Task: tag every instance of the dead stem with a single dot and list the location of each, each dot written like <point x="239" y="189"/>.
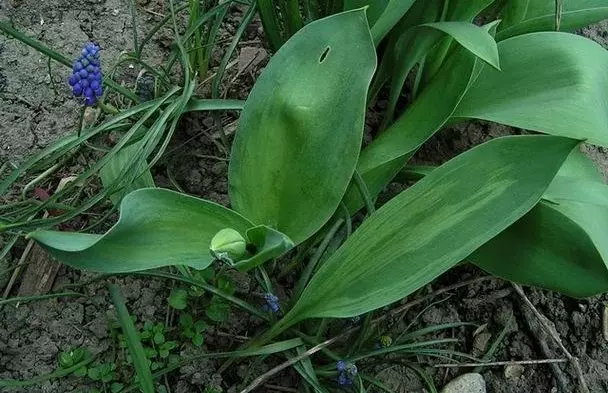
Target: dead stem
<point x="259" y="380"/>
<point x="541" y="320"/>
<point x="505" y="363"/>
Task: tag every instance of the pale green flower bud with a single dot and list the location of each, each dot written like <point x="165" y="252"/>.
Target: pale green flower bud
<point x="228" y="245"/>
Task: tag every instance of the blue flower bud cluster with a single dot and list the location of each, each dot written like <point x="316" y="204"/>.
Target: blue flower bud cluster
<point x="272" y="303"/>
<point x="86" y="79"/>
<point x="346" y="372"/>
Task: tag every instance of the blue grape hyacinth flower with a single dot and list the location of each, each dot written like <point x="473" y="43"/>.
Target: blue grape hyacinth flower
<point x="272" y="303"/>
<point x="86" y="79"/>
<point x="347" y="371"/>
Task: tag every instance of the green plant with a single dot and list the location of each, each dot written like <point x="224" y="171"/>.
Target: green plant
<point x="522" y="207"/>
<point x="191" y="329"/>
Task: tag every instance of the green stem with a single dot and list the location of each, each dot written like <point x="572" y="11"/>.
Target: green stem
<point x="207" y="287"/>
<point x="24" y="299"/>
<point x="293" y="17"/>
<point x="364" y="192"/>
<point x="134" y="27"/>
<point x="347" y="219"/>
<point x="310" y="268"/>
<point x="312" y="10"/>
<point x="367" y="324"/>
<point x="321" y="329"/>
<point x="270" y="23"/>
<point x="81" y="120"/>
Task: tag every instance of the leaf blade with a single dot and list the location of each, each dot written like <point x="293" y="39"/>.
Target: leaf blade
<point x="138" y="240"/>
<point x="369" y="270"/>
<point x="140" y="360"/>
<point x="287" y="170"/>
<point x="528" y="16"/>
<point x="553" y="83"/>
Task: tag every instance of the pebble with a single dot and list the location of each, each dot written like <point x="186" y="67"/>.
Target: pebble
<point x="480" y="343"/>
<point x="466" y="383"/>
<point x="514" y="371"/>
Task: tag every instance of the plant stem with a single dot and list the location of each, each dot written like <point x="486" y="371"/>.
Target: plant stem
<point x="24" y="299"/>
<point x="134" y="27"/>
<point x="312" y="10"/>
<point x="310" y="268"/>
<point x="81" y="120"/>
<point x="364" y="191"/>
<point x="293" y="18"/>
<point x="270" y="23"/>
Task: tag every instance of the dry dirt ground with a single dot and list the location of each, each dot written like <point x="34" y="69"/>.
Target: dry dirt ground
<point x="36" y="108"/>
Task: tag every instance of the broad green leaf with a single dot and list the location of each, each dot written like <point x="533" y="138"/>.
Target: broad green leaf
<point x="546" y="248"/>
<point x="433" y="225"/>
<point x="560" y="245"/>
<point x="113" y="171"/>
<point x="414" y="45"/>
<point x="474" y="38"/>
<point x="392" y="14"/>
<point x="382" y="159"/>
<point x="301" y="127"/>
<point x="460" y="11"/>
<point x="374" y="10"/>
<point x="156" y="228"/>
<point x="550" y="82"/>
<point x="526" y="16"/>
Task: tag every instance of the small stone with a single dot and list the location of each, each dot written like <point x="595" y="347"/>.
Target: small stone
<point x="466" y="383"/>
<point x="480" y="343"/>
<point x="514" y="371"/>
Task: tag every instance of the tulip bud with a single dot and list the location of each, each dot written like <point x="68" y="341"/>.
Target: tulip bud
<point x="228" y="245"/>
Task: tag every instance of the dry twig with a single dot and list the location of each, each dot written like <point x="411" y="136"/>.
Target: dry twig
<point x="541" y="320"/>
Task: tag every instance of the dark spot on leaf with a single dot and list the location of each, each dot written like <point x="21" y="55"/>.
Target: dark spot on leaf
<point x="324" y="55"/>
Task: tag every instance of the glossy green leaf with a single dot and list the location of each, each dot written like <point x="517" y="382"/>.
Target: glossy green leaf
<point x="433" y="225"/>
<point x="474" y="38"/>
<point x="145" y="235"/>
<point x="526" y="16"/>
<point x="392" y="14"/>
<point x="113" y="171"/>
<point x="550" y="82"/>
<point x="546" y="249"/>
<point x="413" y="46"/>
<point x="374" y="8"/>
<point x="382" y="159"/>
<point x="560" y="245"/>
<point x="301" y="127"/>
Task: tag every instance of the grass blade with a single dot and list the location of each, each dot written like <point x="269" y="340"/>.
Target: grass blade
<point x="140" y="361"/>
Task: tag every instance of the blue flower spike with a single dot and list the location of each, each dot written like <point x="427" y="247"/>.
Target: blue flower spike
<point x="347" y="372"/>
<point x="272" y="303"/>
<point x="86" y="79"/>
